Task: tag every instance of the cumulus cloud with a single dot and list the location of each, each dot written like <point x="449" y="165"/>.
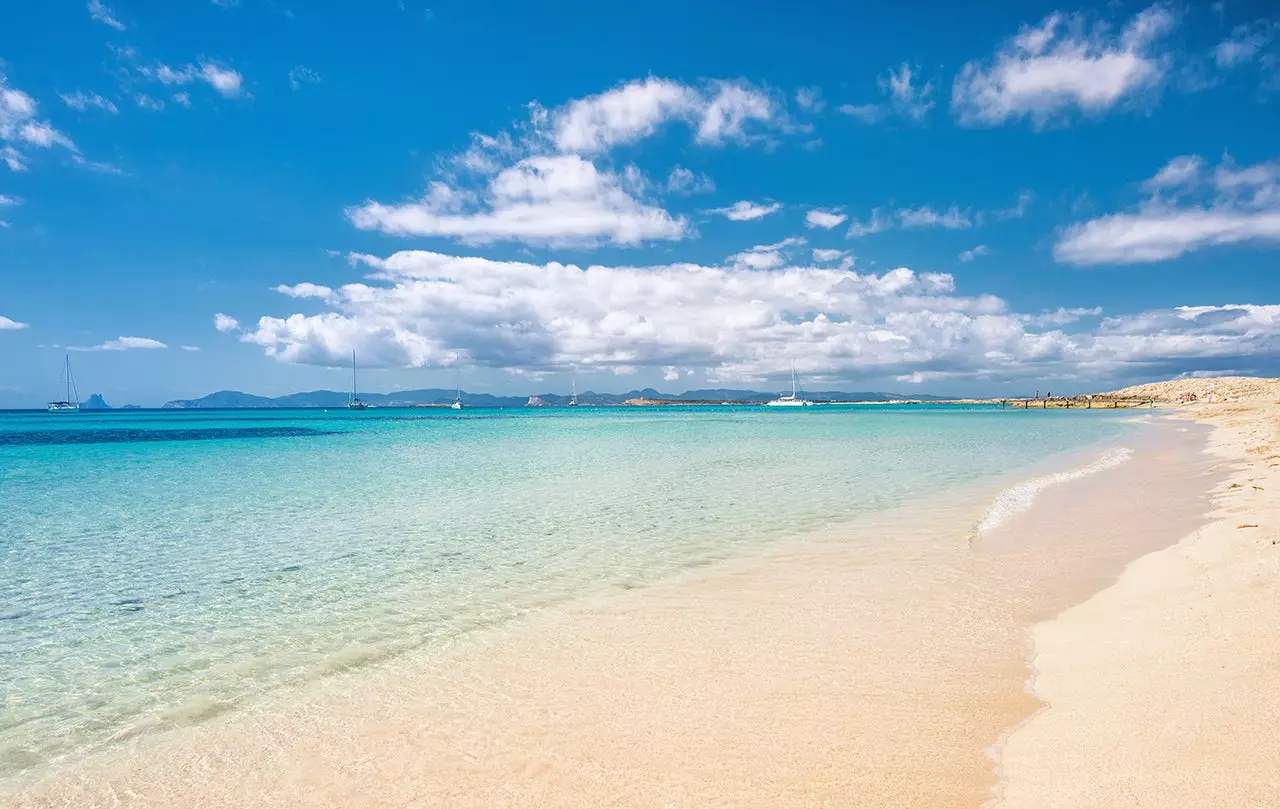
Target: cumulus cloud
<point x="104" y="15"/>
<point x="4" y="200"/>
<point x="81" y="102"/>
<point x="907" y="98"/>
<point x="1063" y="65"/>
<point x="224" y="323"/>
<point x="305" y="290"/>
<point x="685" y="182"/>
<point x="146" y="102"/>
<point x="122" y="344"/>
<point x="746" y="211"/>
<point x="562" y="200"/>
<point x="972" y="253"/>
<point x="10" y="325"/>
<point x="825" y="219"/>
<point x="1233" y="205"/>
<point x="722" y="111"/>
<point x="417" y="308"/>
<point x="20" y="128"/>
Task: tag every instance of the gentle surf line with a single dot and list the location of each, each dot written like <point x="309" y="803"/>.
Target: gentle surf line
<point x="1017" y="499"/>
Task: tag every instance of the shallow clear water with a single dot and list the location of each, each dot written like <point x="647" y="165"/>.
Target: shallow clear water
<point x="157" y="569"/>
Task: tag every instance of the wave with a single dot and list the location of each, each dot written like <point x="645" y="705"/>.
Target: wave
<point x="1017" y="499"/>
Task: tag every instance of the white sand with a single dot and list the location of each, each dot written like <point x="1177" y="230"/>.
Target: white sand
<point x="1164" y="690"/>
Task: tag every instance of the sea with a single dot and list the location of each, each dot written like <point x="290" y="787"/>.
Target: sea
<point x="161" y="568"/>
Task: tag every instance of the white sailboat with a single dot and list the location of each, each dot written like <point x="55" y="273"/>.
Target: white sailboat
<point x="67" y="404"/>
<point x="792" y="400"/>
<point x="457" y="400"/>
<point x="573" y="399"/>
<point x="355" y="402"/>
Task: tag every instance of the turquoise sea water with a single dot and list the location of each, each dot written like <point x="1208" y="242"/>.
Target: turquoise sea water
<point x="159" y="568"/>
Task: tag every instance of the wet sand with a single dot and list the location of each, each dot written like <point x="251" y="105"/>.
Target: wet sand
<point x="880" y="664"/>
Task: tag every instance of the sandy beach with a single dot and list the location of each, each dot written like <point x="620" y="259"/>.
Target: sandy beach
<point x="1075" y="654"/>
<point x="1164" y="690"/>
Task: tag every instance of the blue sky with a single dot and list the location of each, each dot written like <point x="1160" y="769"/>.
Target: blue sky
<point x="939" y="199"/>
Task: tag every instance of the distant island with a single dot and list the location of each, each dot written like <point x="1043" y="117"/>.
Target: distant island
<point x="439" y="397"/>
<point x="96" y="402"/>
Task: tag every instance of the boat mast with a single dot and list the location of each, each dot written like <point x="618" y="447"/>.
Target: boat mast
<point x="71" y="383"/>
<point x="353" y="375"/>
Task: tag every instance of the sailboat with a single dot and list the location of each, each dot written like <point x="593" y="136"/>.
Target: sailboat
<point x="573" y="399"/>
<point x="67" y="404"/>
<point x="457" y="400"/>
<point x="793" y="400"/>
<point x="355" y="402"/>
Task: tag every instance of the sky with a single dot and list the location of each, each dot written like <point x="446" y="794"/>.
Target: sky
<point x="199" y="195"/>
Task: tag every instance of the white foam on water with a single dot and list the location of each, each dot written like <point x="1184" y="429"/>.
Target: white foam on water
<point x="1017" y="499"/>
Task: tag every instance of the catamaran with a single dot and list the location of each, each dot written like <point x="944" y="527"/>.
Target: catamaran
<point x="355" y="402"/>
<point x="792" y="400"/>
<point x="457" y="400"/>
<point x="573" y="399"/>
<point x="67" y="404"/>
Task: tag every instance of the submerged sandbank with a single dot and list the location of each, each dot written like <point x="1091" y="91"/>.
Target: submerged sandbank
<point x="875" y="665"/>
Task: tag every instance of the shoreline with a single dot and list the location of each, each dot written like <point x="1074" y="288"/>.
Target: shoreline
<point x="846" y="649"/>
<point x="1184" y="645"/>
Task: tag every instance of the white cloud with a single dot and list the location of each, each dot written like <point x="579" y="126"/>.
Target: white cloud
<point x="122" y="344"/>
<point x="305" y="290"/>
<point x="1244" y="44"/>
<point x="4" y="200"/>
<point x="190" y="348"/>
<point x="418" y="308"/>
<point x="224" y="323"/>
<point x="10" y="325"/>
<point x="825" y="219"/>
<point x="810" y="99"/>
<point x="746" y="211"/>
<point x="1061" y="316"/>
<point x="81" y="102"/>
<point x="879" y="221"/>
<point x="12" y="158"/>
<point x="907" y="98"/>
<point x="867" y="113"/>
<point x="18" y="125"/>
<point x="559" y="201"/>
<point x="925" y="217"/>
<point x="95" y="165"/>
<point x="1178" y="172"/>
<point x="1241" y="205"/>
<point x="5" y="225"/>
<point x="182" y="99"/>
<point x="683" y="181"/>
<point x="104" y="15"/>
<point x="766" y="256"/>
<point x="1047" y="71"/>
<point x="146" y="102"/>
<point x="972" y="253"/>
<point x="227" y="82"/>
<point x="825" y="256"/>
<point x="301" y="74"/>
<point x="1019" y="209"/>
<point x="636" y="109"/>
